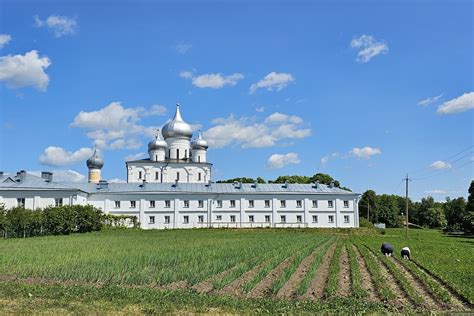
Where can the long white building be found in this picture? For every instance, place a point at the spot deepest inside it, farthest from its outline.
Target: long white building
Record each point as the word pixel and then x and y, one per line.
pixel 172 188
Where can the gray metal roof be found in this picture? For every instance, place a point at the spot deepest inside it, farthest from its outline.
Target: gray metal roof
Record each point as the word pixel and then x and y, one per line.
pixel 32 182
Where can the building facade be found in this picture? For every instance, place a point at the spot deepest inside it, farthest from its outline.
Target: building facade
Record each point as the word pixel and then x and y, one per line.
pixel 173 189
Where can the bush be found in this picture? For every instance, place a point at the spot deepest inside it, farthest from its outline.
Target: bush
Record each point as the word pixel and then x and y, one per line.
pixel 364 222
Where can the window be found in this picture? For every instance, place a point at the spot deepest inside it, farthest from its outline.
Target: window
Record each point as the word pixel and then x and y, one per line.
pixel 251 218
pixel 167 204
pixel 219 203
pixel 199 158
pixel 299 218
pixel 167 219
pixel 139 175
pixel 331 218
pixel 346 204
pixel 157 175
pixel 199 176
pixel 283 218
pixel 267 218
pixel 186 203
pixel 346 219
pixel 201 219
pixel 152 220
pixel 185 153
pixel 58 202
pixel 177 176
pixel 232 203
pixel 299 203
pixel 177 153
pixel 329 203
pixel 232 218
pixel 251 203
pixel 186 219
pixel 219 217
pixel 315 218
pixel 117 204
pixel 267 203
pixel 21 202
pixel 282 203
pixel 133 204
pixel 315 203
pixel 200 203
pixel 152 204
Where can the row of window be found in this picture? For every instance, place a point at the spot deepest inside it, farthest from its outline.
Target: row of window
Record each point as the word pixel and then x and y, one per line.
pixel 251 219
pixel 21 202
pixel 157 175
pixel 251 203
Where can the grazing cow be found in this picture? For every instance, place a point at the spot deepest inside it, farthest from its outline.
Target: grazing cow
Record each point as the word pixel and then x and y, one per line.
pixel 405 253
pixel 387 249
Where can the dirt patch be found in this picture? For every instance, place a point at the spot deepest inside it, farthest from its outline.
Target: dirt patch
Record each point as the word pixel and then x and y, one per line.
pixel 367 282
pixel 235 287
pixel 263 288
pixel 180 285
pixel 316 289
pixel 344 275
pixel 207 286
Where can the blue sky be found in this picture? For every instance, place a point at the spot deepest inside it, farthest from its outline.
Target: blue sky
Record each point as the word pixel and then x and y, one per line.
pixel 364 91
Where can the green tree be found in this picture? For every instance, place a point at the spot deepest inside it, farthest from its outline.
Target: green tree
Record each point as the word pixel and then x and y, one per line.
pixel 454 211
pixel 435 217
pixel 388 211
pixel 468 218
pixel 369 197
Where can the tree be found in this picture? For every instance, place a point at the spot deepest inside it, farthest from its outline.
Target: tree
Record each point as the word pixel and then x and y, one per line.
pixel 369 197
pixel 454 211
pixel 468 218
pixel 435 217
pixel 242 180
pixel 387 210
pixel 324 179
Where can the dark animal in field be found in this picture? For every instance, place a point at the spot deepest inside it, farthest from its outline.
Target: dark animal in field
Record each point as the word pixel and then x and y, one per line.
pixel 387 249
pixel 405 253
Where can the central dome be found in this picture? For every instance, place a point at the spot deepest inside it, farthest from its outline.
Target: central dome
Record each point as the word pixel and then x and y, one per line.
pixel 177 127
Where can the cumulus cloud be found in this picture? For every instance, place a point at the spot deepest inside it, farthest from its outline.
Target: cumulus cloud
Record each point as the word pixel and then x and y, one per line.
pixel 365 152
pixel 457 105
pixel 4 39
pixel 325 159
pixel 19 71
pixel 260 109
pixel 248 133
pixel 280 117
pixel 430 100
pixel 59 25
pixel 183 48
pixel 134 156
pixel 439 165
pixel 368 47
pixel 58 156
pixel 436 191
pixel 213 81
pixel 276 161
pixel 273 80
pixel 156 109
pixel 63 176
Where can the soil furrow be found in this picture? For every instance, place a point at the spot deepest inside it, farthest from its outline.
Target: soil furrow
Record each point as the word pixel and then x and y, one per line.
pixel 367 281
pixel 344 275
pixel 316 289
pixel 263 288
pixel 235 287
pixel 206 286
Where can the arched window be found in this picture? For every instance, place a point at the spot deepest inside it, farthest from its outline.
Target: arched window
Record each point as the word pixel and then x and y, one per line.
pixel 156 157
pixel 185 153
pixel 199 158
pixel 177 153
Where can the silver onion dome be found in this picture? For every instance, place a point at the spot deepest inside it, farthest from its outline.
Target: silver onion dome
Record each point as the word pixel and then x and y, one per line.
pixel 157 143
pixel 177 127
pixel 199 143
pixel 95 162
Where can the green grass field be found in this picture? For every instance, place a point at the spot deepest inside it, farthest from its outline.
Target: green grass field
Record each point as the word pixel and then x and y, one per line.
pixel 235 271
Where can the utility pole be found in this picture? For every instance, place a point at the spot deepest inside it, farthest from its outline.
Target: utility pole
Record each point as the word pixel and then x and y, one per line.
pixel 406 207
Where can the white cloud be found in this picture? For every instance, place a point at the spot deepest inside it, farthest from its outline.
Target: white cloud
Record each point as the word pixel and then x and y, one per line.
pixel 25 70
pixel 273 80
pixel 436 191
pixel 63 176
pixel 247 133
pixel 183 48
pixel 59 25
pixel 156 109
pixel 457 105
pixel 58 156
pixel 117 180
pixel 260 109
pixel 325 159
pixel 213 81
pixel 280 160
pixel 134 156
pixel 113 116
pixel 365 153
pixel 279 117
pixel 430 100
pixel 4 39
pixel 368 47
pixel 439 165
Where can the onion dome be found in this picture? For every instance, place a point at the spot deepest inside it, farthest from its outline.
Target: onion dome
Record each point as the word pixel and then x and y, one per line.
pixel 199 143
pixel 157 143
pixel 95 162
pixel 177 127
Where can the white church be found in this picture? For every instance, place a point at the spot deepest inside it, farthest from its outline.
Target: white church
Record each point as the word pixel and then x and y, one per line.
pixel 173 188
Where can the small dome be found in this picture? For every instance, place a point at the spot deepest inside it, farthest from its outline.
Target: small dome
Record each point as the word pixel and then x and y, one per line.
pixel 199 143
pixel 95 162
pixel 177 127
pixel 157 143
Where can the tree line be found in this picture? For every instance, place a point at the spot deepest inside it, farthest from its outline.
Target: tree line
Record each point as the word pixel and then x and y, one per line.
pixel 57 220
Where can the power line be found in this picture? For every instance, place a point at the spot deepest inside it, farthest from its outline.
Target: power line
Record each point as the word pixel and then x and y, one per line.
pixel 446 171
pixel 450 162
pixel 446 159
